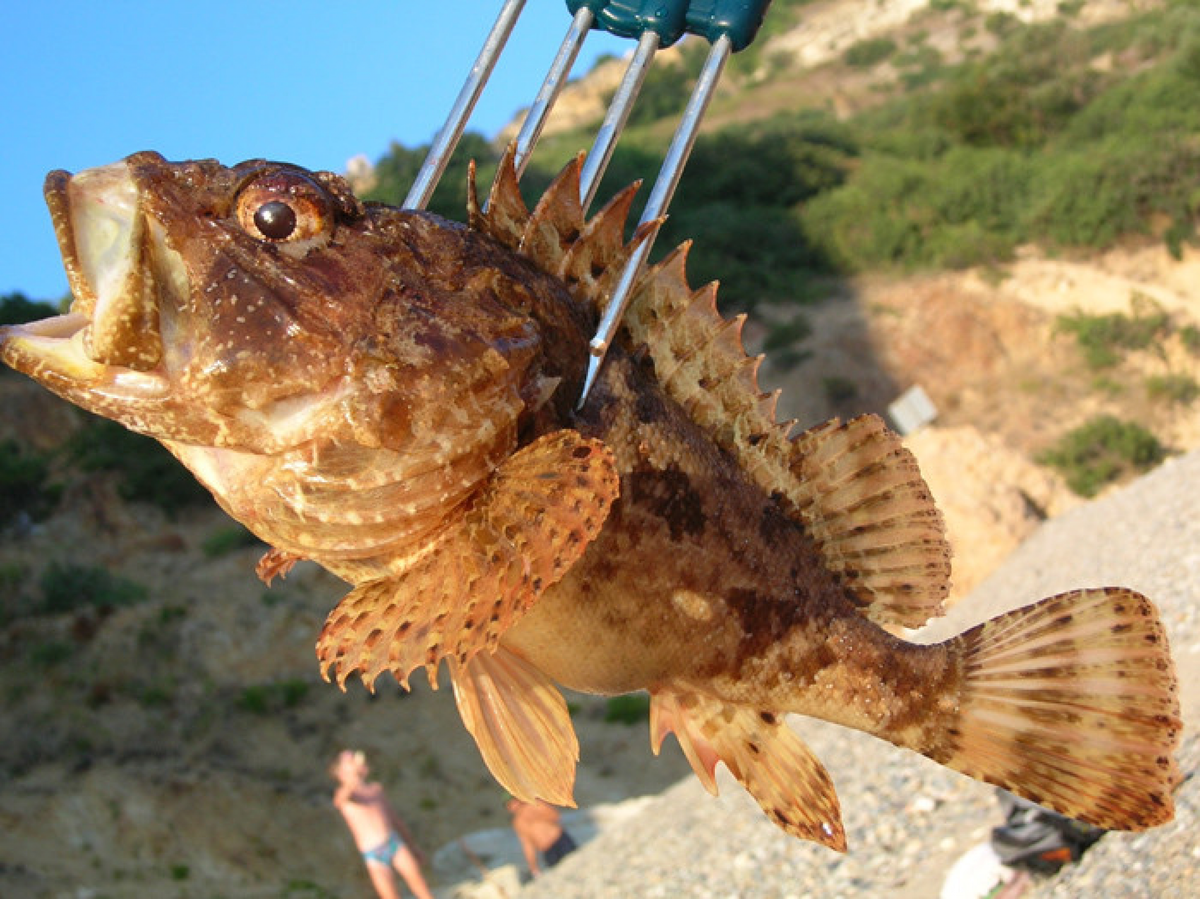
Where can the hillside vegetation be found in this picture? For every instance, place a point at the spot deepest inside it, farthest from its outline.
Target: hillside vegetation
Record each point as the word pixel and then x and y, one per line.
pixel 1052 133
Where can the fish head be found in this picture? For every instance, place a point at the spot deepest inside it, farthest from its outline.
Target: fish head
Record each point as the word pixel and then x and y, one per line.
pixel 253 307
pixel 342 376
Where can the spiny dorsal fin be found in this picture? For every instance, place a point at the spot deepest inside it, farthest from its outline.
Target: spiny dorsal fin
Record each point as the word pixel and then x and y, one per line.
pixel 594 262
pixel 557 220
pixel 506 215
pixel 855 489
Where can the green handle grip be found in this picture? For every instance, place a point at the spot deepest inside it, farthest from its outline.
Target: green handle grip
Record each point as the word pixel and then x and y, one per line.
pixel 739 20
pixel 633 18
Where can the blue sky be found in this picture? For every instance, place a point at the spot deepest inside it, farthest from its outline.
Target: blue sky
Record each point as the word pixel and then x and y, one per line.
pixel 84 83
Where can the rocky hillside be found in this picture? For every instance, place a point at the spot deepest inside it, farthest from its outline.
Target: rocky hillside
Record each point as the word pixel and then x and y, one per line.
pixel 166 732
pixel 989 350
pixel 804 63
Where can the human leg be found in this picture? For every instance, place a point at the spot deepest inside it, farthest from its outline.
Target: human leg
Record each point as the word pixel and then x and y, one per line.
pixel 383 880
pixel 406 863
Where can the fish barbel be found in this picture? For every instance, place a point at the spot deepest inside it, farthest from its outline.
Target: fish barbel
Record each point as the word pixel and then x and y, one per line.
pixel 392 395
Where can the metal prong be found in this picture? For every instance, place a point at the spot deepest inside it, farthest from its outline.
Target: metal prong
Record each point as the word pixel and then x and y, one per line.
pixel 556 77
pixel 656 205
pixel 614 120
pixel 447 139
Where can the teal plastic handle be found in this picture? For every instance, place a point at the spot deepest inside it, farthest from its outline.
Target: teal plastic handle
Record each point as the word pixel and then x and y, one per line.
pixel 633 18
pixel 738 20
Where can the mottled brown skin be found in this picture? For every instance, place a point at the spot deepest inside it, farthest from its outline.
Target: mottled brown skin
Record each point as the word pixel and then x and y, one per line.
pixel 422 353
pixel 392 395
pixel 763 622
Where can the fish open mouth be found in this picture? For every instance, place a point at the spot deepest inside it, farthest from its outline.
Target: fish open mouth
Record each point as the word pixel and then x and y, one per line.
pixel 118 267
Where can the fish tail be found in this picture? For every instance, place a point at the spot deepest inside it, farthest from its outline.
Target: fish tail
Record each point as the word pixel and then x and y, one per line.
pixel 1072 704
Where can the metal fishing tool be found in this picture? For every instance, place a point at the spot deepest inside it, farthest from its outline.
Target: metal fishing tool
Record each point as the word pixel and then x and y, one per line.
pixel 728 26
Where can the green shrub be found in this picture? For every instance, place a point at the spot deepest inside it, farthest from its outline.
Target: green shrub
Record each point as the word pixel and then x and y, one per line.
pixel 225 540
pixel 306 889
pixel 839 390
pixel 779 162
pixel 1001 24
pixel 270 598
pixel 1180 389
pixel 14 601
pixel 868 52
pixel 959 210
pixel 1022 95
pixel 1103 339
pixel 920 66
pixel 17 309
pixel 49 653
pixel 756 252
pixel 1032 143
pixel 781 343
pixel 146 471
pixel 268 698
pixel 1102 450
pixel 664 93
pixel 785 335
pixel 1190 335
pixel 1092 195
pixel 66 587
pixel 155 696
pixel 25 483
pixel 631 708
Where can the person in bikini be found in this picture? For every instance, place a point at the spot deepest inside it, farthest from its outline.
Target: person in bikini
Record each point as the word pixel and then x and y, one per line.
pixel 380 835
pixel 539 828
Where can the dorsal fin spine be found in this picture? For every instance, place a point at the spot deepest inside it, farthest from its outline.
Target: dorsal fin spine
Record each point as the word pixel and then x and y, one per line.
pixel 853 487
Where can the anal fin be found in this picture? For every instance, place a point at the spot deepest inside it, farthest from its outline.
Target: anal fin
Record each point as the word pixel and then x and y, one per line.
pixel 768 759
pixel 521 725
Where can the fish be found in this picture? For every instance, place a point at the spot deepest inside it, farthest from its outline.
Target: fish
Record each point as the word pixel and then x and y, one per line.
pixel 394 396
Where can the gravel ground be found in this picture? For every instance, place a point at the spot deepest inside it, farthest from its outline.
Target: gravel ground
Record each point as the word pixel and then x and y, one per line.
pixel 908 819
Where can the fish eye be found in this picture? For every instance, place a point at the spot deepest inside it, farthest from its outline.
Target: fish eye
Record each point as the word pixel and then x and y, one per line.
pixel 275 220
pixel 285 207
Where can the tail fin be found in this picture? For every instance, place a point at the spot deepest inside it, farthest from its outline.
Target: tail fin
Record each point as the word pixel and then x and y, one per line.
pixel 1071 703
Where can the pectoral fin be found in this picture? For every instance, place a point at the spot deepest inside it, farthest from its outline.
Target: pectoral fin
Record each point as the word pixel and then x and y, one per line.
pixel 772 763
pixel 520 723
pixel 526 528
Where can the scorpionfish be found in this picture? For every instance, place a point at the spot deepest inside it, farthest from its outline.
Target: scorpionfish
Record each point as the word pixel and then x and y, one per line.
pixel 393 395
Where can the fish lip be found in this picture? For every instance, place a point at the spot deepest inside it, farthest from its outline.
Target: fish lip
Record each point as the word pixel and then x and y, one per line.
pixel 100 223
pixel 110 339
pixel 53 352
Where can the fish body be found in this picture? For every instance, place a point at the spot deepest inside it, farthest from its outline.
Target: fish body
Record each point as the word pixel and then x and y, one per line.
pixel 393 395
